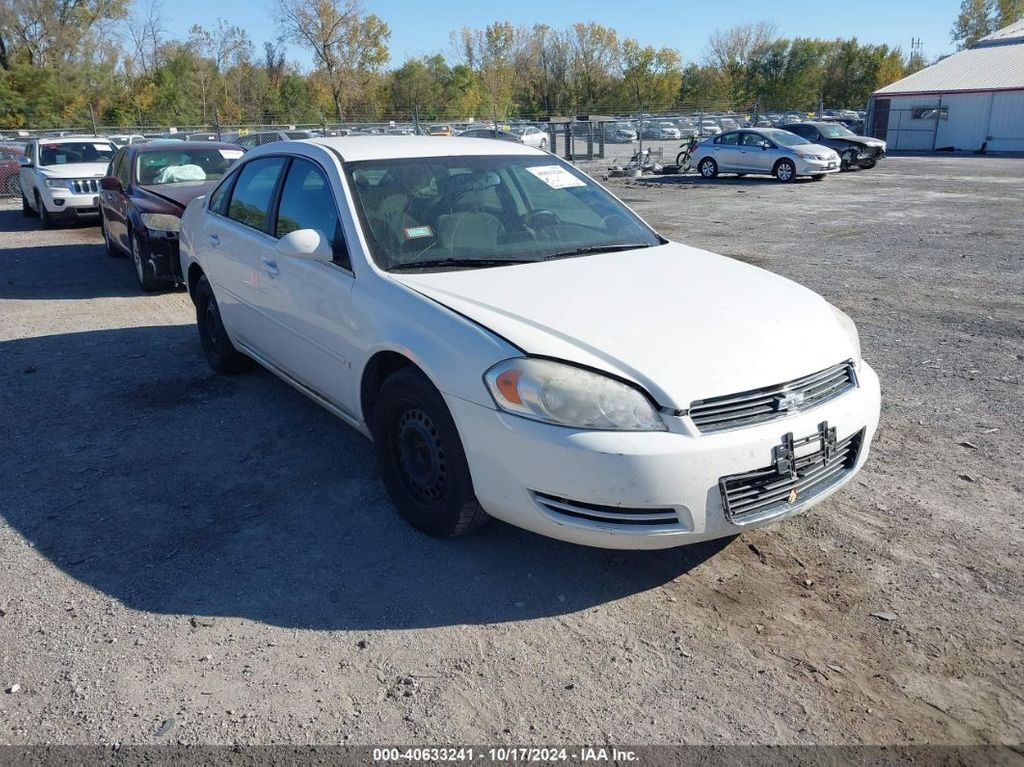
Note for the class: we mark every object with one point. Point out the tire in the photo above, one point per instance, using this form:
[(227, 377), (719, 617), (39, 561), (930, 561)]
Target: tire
[(544, 145), (112, 250), (818, 177), (147, 280), (708, 168), (421, 457), (26, 209), (785, 171), (220, 353), (683, 160), (44, 215), (869, 164)]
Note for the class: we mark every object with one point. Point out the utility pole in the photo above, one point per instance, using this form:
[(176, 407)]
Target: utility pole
[(92, 117)]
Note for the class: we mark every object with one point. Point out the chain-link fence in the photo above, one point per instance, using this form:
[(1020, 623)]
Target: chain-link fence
[(611, 137)]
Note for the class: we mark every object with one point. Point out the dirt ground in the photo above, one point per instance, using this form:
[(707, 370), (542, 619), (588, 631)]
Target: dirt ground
[(200, 559)]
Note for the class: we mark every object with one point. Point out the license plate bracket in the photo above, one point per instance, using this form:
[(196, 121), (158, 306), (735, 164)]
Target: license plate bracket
[(786, 456)]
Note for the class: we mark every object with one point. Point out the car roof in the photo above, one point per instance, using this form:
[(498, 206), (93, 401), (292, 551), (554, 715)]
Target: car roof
[(177, 146), (356, 148), (71, 139)]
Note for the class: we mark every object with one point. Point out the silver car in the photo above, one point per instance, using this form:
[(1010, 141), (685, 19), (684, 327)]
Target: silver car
[(764, 151)]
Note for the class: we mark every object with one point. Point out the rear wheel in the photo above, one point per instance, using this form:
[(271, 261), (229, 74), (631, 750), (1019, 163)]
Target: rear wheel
[(217, 347), (421, 457), (708, 168), (785, 171)]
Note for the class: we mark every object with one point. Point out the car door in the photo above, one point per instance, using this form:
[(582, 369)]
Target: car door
[(726, 151), (115, 203), (233, 242), (756, 153), (306, 302), (27, 173)]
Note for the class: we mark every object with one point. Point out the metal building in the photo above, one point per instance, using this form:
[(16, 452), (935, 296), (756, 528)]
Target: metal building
[(972, 100)]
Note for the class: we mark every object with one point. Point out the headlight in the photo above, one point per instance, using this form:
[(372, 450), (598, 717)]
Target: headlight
[(566, 395), (161, 222), (851, 332), (58, 183)]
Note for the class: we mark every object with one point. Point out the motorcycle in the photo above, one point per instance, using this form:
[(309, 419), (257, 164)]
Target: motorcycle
[(684, 157)]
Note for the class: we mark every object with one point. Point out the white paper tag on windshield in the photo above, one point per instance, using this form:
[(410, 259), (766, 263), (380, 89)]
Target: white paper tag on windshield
[(101, 147), (556, 176), (230, 154)]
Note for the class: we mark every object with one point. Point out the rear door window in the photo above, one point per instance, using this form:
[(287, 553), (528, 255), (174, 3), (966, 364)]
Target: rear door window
[(253, 195)]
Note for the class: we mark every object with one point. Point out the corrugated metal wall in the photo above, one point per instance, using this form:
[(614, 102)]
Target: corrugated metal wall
[(971, 119)]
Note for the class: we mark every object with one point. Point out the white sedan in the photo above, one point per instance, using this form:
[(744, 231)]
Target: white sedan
[(519, 344)]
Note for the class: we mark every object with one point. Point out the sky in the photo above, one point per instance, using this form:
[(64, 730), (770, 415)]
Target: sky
[(422, 27)]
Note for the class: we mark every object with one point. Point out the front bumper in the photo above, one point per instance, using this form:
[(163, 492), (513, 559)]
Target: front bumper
[(513, 459), (61, 203), (816, 167), (162, 254)]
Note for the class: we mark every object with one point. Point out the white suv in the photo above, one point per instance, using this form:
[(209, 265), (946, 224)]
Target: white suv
[(60, 177), (519, 344)]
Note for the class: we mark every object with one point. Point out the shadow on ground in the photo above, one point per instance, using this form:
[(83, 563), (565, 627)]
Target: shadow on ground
[(141, 474), (58, 271)]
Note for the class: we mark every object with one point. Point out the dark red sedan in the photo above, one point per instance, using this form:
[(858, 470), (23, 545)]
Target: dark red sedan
[(9, 169), (144, 195)]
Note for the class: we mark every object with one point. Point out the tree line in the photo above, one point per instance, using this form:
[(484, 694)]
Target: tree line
[(69, 62)]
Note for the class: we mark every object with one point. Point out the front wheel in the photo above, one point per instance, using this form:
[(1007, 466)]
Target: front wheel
[(708, 168), (785, 171), (217, 347), (143, 270), (544, 144), (26, 207), (818, 177), (683, 160), (421, 457), (44, 215)]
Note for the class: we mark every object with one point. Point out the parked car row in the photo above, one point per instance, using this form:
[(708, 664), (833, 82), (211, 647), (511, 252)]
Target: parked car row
[(484, 311)]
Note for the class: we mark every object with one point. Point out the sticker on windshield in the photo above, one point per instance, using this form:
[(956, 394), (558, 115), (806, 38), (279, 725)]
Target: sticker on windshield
[(556, 176), (231, 154), (416, 232), (101, 147)]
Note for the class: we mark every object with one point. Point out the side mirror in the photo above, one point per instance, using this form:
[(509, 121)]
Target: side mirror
[(25, 161), (305, 243), (110, 184)]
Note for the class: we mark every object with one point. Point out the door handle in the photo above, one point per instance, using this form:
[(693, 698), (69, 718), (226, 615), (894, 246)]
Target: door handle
[(270, 267), (215, 240)]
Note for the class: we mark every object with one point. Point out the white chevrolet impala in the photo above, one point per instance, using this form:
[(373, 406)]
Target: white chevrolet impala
[(519, 344)]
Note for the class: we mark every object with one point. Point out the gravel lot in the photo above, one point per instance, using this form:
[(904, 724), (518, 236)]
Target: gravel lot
[(190, 558)]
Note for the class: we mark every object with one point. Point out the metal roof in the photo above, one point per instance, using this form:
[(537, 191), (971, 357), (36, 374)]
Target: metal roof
[(1011, 34), (995, 62)]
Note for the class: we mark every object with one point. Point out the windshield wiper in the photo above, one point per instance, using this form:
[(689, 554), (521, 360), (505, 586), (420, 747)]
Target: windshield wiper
[(460, 263), (591, 249)]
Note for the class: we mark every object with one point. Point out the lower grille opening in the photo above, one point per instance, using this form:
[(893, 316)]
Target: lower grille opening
[(765, 491), (612, 516)]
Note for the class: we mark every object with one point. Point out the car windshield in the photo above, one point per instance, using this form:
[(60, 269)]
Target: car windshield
[(476, 211), (835, 131), (68, 152), (785, 138), (177, 166)]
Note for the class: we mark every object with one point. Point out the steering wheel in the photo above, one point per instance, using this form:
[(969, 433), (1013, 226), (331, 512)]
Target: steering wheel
[(539, 223)]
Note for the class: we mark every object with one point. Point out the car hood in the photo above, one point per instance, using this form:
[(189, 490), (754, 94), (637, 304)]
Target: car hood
[(683, 323), (75, 170), (180, 194)]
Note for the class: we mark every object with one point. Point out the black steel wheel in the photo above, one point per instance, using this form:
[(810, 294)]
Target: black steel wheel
[(220, 353), (421, 457)]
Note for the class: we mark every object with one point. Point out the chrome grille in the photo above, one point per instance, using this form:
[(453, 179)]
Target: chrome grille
[(85, 185), (767, 404), (764, 492), (608, 516)]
